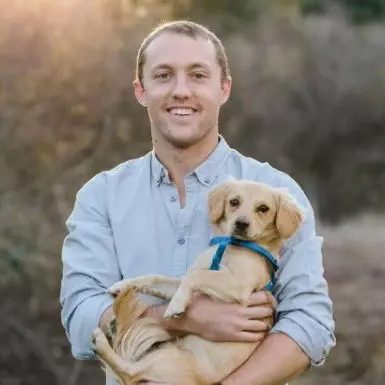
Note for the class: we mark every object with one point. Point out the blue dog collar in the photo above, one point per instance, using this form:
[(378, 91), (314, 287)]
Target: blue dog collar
[(224, 241)]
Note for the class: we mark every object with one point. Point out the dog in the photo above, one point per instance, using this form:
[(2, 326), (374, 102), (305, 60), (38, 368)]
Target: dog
[(256, 219)]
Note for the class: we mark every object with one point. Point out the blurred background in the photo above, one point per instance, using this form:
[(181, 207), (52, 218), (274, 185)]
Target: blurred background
[(308, 97)]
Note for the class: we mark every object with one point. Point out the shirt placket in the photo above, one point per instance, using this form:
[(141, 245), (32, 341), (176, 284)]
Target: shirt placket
[(182, 220)]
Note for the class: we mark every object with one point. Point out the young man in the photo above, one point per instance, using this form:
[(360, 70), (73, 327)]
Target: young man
[(149, 215)]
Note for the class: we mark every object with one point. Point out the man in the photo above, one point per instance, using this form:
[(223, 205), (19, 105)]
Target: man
[(149, 215)]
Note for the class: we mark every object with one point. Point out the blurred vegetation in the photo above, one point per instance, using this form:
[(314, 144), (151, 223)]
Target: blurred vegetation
[(308, 97), (360, 11)]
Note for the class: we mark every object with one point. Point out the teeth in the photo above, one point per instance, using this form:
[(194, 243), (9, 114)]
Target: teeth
[(182, 111)]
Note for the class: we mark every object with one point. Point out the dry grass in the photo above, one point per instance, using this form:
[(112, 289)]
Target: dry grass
[(355, 269)]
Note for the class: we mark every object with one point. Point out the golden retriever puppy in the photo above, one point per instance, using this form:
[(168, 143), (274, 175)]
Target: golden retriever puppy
[(256, 219)]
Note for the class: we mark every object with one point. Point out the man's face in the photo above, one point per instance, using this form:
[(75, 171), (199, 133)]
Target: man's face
[(182, 89)]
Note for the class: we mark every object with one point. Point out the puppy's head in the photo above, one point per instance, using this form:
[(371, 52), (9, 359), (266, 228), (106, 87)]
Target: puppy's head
[(254, 211)]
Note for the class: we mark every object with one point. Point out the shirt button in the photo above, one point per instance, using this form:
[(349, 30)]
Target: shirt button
[(207, 180), (181, 240), (173, 199)]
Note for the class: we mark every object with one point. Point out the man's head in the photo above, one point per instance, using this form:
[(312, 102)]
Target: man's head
[(183, 78), (186, 28)]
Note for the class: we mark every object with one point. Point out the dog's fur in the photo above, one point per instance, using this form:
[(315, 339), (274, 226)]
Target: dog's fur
[(144, 350)]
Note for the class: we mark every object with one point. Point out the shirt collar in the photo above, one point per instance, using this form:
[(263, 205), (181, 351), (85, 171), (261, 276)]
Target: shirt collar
[(206, 173)]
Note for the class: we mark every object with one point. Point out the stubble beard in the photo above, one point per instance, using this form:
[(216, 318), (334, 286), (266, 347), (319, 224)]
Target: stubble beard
[(182, 143)]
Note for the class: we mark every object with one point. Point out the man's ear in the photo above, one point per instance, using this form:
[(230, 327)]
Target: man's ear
[(140, 93), (290, 214), (217, 200), (225, 90)]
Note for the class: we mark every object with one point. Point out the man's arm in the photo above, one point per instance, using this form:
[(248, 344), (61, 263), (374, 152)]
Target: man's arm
[(276, 361), (89, 267)]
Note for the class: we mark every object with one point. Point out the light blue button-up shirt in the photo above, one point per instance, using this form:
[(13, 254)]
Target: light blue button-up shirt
[(128, 222)]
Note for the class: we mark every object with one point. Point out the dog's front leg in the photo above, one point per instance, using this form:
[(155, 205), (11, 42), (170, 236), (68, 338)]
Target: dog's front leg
[(155, 285), (221, 285)]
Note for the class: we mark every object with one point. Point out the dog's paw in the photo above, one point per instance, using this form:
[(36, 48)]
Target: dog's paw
[(98, 339), (116, 288), (94, 339), (174, 311), (173, 315), (97, 334)]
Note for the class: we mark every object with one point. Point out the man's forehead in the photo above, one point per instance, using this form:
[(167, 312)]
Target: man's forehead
[(179, 49)]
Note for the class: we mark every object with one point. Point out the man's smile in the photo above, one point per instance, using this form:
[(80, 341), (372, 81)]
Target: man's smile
[(181, 111)]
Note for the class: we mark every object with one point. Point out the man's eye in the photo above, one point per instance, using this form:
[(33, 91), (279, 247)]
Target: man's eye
[(262, 209), (234, 202), (199, 75), (162, 76)]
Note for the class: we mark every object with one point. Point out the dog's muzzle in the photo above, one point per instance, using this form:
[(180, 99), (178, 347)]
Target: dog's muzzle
[(241, 225)]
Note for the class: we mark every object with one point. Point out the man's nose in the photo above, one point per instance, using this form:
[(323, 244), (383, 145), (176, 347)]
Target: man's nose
[(181, 88)]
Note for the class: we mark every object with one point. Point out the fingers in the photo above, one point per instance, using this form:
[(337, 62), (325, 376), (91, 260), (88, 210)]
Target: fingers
[(256, 312), (271, 299), (219, 321), (262, 298), (245, 336), (254, 326)]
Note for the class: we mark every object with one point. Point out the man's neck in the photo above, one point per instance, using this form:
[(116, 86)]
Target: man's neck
[(180, 162)]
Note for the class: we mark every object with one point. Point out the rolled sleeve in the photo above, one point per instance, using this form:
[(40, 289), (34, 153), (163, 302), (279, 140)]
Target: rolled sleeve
[(89, 267), (314, 339), (304, 310)]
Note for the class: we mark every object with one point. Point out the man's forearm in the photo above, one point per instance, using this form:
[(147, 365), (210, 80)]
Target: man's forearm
[(276, 361)]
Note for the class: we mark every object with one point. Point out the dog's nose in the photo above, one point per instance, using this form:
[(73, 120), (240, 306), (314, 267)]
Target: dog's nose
[(242, 224)]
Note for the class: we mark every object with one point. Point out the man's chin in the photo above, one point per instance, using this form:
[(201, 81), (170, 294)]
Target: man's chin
[(184, 142), (183, 136)]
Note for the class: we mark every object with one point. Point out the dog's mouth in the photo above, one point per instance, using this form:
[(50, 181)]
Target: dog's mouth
[(245, 234), (241, 234)]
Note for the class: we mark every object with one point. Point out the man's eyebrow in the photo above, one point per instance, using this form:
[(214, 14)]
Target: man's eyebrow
[(190, 66), (161, 66), (199, 65)]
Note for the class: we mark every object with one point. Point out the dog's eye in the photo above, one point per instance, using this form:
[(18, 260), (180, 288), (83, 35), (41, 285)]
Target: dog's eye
[(262, 209), (234, 202)]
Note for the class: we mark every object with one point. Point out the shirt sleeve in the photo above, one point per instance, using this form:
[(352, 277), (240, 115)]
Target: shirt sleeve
[(89, 267), (304, 310)]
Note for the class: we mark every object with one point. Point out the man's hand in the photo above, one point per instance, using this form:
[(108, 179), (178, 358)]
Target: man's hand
[(220, 321), (226, 322)]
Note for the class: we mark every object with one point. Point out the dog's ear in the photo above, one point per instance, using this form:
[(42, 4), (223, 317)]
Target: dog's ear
[(289, 214), (217, 200)]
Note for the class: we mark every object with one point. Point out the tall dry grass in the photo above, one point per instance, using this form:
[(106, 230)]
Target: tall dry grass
[(355, 270)]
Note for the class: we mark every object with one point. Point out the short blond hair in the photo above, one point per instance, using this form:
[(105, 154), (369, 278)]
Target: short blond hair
[(187, 28)]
